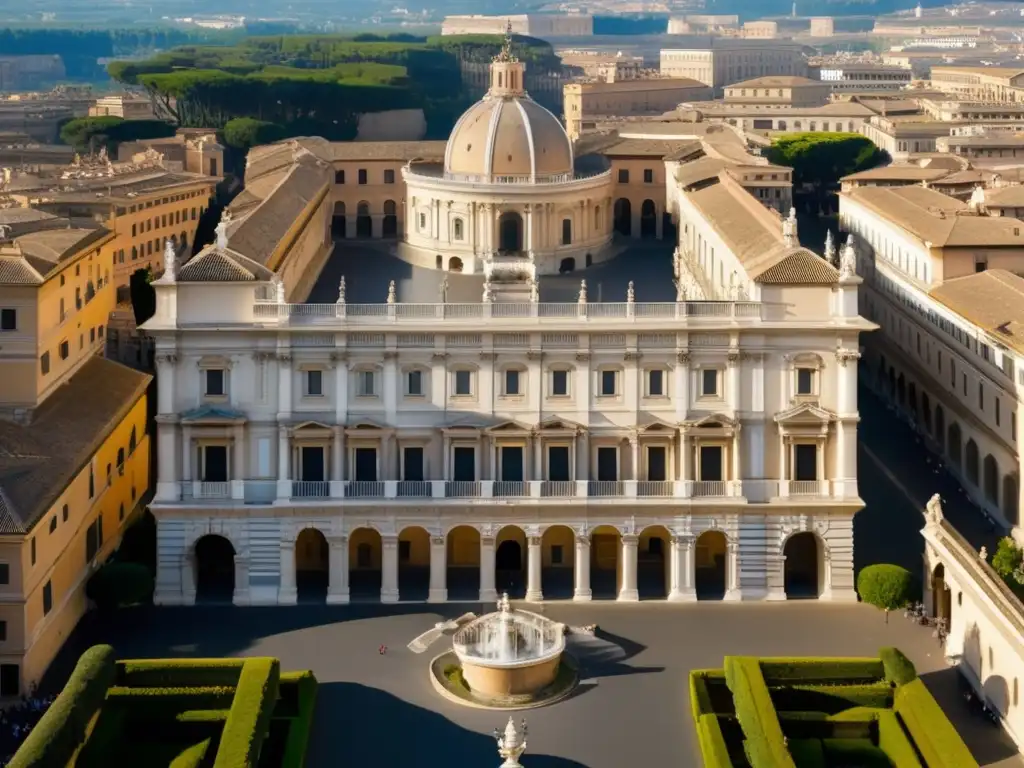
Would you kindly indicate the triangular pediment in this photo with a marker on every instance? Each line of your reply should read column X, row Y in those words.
column 212, row 414
column 554, row 423
column 366, row 424
column 713, row 421
column 312, row 425
column 656, row 426
column 508, row 426
column 805, row 413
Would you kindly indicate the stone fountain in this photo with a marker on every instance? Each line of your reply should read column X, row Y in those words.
column 508, row 659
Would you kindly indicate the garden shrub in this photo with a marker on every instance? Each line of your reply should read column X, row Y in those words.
column 824, row 727
column 831, row 699
column 700, row 699
column 899, row 670
column 102, row 741
column 251, row 712
column 893, row 740
column 193, row 755
column 936, row 739
column 306, row 686
column 765, row 745
column 807, row 753
column 785, row 670
column 888, row 587
column 860, row 752
column 179, row 673
column 168, row 703
column 62, row 729
column 712, row 742
column 117, row 584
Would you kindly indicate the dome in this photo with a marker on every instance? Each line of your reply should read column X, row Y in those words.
column 508, row 136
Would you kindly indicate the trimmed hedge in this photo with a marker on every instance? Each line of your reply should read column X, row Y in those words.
column 885, row 586
column 192, row 756
column 848, row 671
column 712, row 742
column 893, row 740
column 936, row 739
column 859, row 752
column 168, row 703
column 179, row 673
column 306, row 685
column 831, row 699
column 808, row 753
column 251, row 711
column 62, row 729
column 765, row 744
column 700, row 698
column 899, row 670
column 103, row 740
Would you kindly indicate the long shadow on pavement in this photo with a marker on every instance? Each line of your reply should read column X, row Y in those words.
column 380, row 729
column 987, row 743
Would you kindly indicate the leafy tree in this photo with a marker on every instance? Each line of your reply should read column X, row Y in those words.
column 118, row 584
column 88, row 134
column 888, row 587
column 1007, row 558
column 821, row 159
column 142, row 295
column 245, row 132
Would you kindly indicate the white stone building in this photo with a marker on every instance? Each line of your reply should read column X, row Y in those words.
column 939, row 279
column 682, row 441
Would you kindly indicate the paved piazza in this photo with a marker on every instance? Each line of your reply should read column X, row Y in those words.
column 631, row 709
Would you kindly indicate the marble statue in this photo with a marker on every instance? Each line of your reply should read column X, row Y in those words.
column 848, row 260
column 170, row 262
column 830, row 250
column 341, row 290
column 511, row 744
column 279, row 291
column 933, row 510
column 630, row 293
column 392, row 298
column 222, row 234
column 789, row 235
column 583, row 292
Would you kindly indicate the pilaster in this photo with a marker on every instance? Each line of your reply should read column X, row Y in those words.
column 337, row 583
column 288, row 592
column 581, row 566
column 438, row 571
column 389, row 569
column 682, row 565
column 488, row 594
column 628, row 592
column 534, row 591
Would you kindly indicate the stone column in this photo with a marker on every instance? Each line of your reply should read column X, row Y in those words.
column 682, row 570
column 167, row 487
column 438, row 571
column 338, row 454
column 735, row 371
column 389, row 569
column 581, row 565
column 634, row 445
column 186, row 453
column 737, row 455
column 628, row 591
column 732, row 570
column 241, row 595
column 284, row 485
column 188, row 578
column 337, row 582
column 488, row 594
column 682, row 386
column 534, row 562
column 287, row 593
column 284, row 386
column 165, row 368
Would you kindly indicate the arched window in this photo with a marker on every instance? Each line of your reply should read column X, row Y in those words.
column 457, row 229
column 566, row 231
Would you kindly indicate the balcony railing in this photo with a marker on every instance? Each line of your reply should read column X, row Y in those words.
column 505, row 488
column 755, row 491
column 311, row 489
column 364, row 489
column 334, row 315
column 415, row 488
column 557, row 488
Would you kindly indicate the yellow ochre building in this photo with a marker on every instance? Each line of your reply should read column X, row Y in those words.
column 74, row 451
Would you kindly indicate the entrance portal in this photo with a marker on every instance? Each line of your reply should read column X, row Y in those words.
column 623, row 217
column 510, row 228
column 709, row 565
column 802, row 570
column 312, row 556
column 215, row 570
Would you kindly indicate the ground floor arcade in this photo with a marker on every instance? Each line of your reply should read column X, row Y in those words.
column 284, row 560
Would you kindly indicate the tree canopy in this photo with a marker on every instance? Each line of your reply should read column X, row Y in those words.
column 824, row 158
column 317, row 83
column 888, row 587
column 245, row 132
column 88, row 134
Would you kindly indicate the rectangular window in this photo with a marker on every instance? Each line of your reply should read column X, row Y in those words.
column 44, row 363
column 558, row 463
column 559, row 383
column 32, row 547
column 607, row 464
column 389, row 176
column 511, row 459
column 656, row 464
column 5, row 573
column 412, row 463
column 214, row 382
column 566, row 231
column 648, row 175
column 213, row 463
column 463, row 382
column 711, row 469
column 463, row 464
column 362, row 175
column 366, row 465
column 367, row 384
column 805, row 381
column 47, row 598
column 709, row 382
column 607, row 383
column 997, row 411
column 339, row 177
column 314, row 383
column 805, row 462
column 65, row 350
column 981, row 396
column 10, row 680
column 8, row 319
column 623, row 176
column 512, row 383
column 414, row 385
column 655, row 383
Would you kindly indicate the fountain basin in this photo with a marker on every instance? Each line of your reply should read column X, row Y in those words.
column 496, row 682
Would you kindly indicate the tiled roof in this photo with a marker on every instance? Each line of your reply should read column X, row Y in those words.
column 1005, row 197
column 38, row 460
column 938, row 219
column 897, row 173
column 46, row 248
column 777, row 81
column 800, row 267
column 212, row 265
column 16, row 271
column 645, row 148
column 992, row 300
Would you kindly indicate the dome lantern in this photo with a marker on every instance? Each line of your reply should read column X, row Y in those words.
column 507, row 71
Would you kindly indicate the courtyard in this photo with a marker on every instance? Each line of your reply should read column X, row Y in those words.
column 631, row 707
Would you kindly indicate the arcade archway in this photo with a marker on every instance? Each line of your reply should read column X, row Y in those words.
column 558, row 556
column 510, row 232
column 389, row 226
column 605, row 562
column 463, row 563
column 413, row 564
column 364, row 222
column 312, row 566
column 214, row 569
column 652, row 576
column 338, row 221
column 804, row 566
column 648, row 220
column 623, row 214
column 710, row 552
column 510, row 561
column 365, row 551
